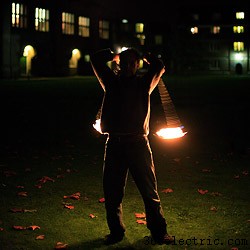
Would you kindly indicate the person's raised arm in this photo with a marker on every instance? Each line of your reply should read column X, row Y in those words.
column 99, row 62
column 156, row 69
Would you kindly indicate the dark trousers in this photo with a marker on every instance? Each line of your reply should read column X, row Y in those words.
column 131, row 153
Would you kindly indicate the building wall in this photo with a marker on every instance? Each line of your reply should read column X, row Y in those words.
column 182, row 52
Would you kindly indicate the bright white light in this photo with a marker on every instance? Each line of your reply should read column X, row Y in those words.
column 27, row 50
column 170, row 133
column 97, row 126
column 75, row 51
column 238, row 57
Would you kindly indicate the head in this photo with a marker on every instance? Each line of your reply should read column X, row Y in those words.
column 129, row 62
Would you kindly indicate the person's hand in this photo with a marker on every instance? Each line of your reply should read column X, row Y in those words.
column 116, row 58
column 146, row 57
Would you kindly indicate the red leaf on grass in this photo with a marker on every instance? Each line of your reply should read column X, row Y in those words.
column 61, row 245
column 19, row 228
column 140, row 215
column 16, row 210
column 33, row 227
column 141, row 222
column 201, row 191
column 92, row 216
column 214, row 209
column 101, row 200
column 23, row 193
column 245, row 172
column 40, row 237
column 75, row 196
column 168, row 190
column 69, row 206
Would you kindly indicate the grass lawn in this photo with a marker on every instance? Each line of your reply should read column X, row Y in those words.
column 51, row 166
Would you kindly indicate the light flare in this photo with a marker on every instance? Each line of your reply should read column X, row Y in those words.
column 170, row 133
column 97, row 126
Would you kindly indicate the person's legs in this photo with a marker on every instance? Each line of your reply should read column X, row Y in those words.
column 114, row 182
column 143, row 172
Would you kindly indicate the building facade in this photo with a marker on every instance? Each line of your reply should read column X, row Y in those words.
column 55, row 38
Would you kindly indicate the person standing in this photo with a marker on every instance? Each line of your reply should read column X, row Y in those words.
column 125, row 116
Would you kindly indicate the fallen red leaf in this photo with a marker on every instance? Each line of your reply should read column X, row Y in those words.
column 19, row 228
column 23, row 193
column 102, row 200
column 16, row 210
column 92, row 216
column 40, row 237
column 140, row 215
column 141, row 222
column 33, row 227
column 214, row 209
column 69, row 206
column 75, row 196
column 61, row 245
column 168, row 190
column 202, row 191
column 245, row 172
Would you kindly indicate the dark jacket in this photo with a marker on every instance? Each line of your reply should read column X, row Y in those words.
column 126, row 103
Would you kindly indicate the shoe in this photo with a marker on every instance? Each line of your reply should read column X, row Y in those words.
column 111, row 239
column 166, row 239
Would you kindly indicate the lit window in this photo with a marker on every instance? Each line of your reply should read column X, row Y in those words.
column 240, row 15
column 215, row 30
column 19, row 15
column 238, row 29
column 238, row 46
column 158, row 39
column 194, row 30
column 41, row 19
column 139, row 27
column 83, row 26
column 68, row 22
column 104, row 29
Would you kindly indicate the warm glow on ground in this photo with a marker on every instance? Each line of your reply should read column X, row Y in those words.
column 170, row 133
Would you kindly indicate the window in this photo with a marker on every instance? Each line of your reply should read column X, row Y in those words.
column 83, row 26
column 238, row 29
column 215, row 30
column 104, row 29
column 68, row 22
column 19, row 15
column 139, row 27
column 41, row 19
column 238, row 46
column 240, row 15
column 194, row 30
